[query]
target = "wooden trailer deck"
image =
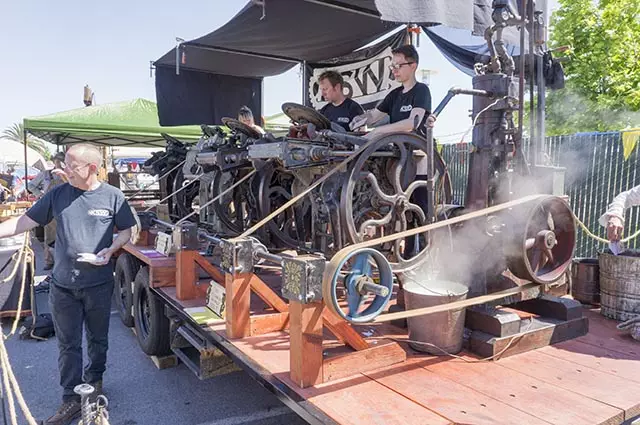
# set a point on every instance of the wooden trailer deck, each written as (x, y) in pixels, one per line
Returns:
(594, 379)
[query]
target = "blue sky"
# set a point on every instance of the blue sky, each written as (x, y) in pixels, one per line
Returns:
(51, 49)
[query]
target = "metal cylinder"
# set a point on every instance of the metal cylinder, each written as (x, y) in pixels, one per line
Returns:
(619, 289)
(585, 280)
(445, 330)
(207, 158)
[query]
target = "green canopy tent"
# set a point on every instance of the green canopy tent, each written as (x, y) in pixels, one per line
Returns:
(131, 123)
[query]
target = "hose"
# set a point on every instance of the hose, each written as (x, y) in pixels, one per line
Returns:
(598, 238)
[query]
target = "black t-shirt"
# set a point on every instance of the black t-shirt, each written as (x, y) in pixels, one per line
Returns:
(399, 105)
(343, 114)
(85, 223)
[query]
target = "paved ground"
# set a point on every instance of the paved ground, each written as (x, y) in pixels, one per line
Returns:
(140, 394)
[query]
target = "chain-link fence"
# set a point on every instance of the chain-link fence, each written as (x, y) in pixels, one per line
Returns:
(596, 172)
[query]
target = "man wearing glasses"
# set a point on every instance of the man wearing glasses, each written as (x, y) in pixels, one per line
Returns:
(404, 104)
(86, 212)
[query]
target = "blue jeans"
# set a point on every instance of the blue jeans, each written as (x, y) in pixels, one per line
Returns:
(70, 308)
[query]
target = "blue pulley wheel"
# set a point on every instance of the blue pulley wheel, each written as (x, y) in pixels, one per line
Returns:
(368, 284)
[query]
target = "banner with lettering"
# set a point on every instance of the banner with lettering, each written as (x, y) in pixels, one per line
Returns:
(366, 74)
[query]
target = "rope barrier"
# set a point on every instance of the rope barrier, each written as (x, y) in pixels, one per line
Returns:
(25, 258)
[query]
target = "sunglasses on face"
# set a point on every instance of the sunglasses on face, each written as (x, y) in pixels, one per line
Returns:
(399, 65)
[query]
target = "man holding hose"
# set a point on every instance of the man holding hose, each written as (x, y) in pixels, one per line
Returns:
(86, 212)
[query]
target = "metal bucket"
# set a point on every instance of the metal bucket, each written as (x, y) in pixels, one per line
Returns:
(620, 285)
(585, 280)
(445, 329)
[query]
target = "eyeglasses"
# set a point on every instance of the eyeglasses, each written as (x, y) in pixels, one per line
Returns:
(76, 168)
(399, 65)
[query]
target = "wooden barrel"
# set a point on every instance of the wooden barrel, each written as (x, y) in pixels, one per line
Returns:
(620, 285)
(585, 280)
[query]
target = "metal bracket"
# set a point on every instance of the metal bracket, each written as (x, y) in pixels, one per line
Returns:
(146, 219)
(302, 278)
(185, 237)
(237, 256)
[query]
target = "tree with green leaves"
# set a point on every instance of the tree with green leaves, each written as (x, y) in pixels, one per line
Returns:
(603, 72)
(16, 133)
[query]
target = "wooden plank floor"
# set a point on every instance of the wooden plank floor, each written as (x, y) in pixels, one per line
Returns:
(594, 379)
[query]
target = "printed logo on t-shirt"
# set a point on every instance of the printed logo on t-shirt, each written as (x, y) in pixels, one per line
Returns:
(343, 119)
(406, 108)
(99, 213)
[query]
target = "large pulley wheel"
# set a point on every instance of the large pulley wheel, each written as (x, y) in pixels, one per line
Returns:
(543, 239)
(183, 200)
(275, 188)
(358, 287)
(232, 208)
(381, 196)
(300, 115)
(152, 326)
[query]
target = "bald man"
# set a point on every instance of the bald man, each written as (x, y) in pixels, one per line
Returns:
(87, 213)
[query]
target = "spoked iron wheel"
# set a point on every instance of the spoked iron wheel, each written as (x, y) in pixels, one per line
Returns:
(233, 208)
(183, 201)
(381, 196)
(543, 240)
(275, 188)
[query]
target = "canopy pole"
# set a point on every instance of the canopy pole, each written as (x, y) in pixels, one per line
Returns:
(26, 167)
(179, 42)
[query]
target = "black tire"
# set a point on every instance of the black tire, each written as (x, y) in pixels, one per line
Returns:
(152, 326)
(127, 267)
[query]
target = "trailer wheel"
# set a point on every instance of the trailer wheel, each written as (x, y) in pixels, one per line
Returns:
(152, 326)
(125, 273)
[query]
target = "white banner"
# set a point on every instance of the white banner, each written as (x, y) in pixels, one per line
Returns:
(366, 82)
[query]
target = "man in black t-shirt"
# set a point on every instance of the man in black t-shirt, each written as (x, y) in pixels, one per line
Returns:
(339, 109)
(87, 213)
(406, 103)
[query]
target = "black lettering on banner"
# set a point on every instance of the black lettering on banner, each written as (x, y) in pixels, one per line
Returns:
(362, 79)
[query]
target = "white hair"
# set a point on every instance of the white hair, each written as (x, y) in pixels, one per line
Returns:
(88, 152)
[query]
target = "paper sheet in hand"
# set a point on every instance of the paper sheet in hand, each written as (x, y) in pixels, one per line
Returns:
(616, 247)
(87, 257)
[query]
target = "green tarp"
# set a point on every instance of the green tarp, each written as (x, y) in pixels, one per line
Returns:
(132, 123)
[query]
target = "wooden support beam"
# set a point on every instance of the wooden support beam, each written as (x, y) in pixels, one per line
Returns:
(187, 287)
(185, 275)
(160, 277)
(343, 331)
(215, 273)
(384, 354)
(267, 295)
(238, 300)
(305, 357)
(265, 323)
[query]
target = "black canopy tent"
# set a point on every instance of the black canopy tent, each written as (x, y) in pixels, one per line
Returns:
(202, 80)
